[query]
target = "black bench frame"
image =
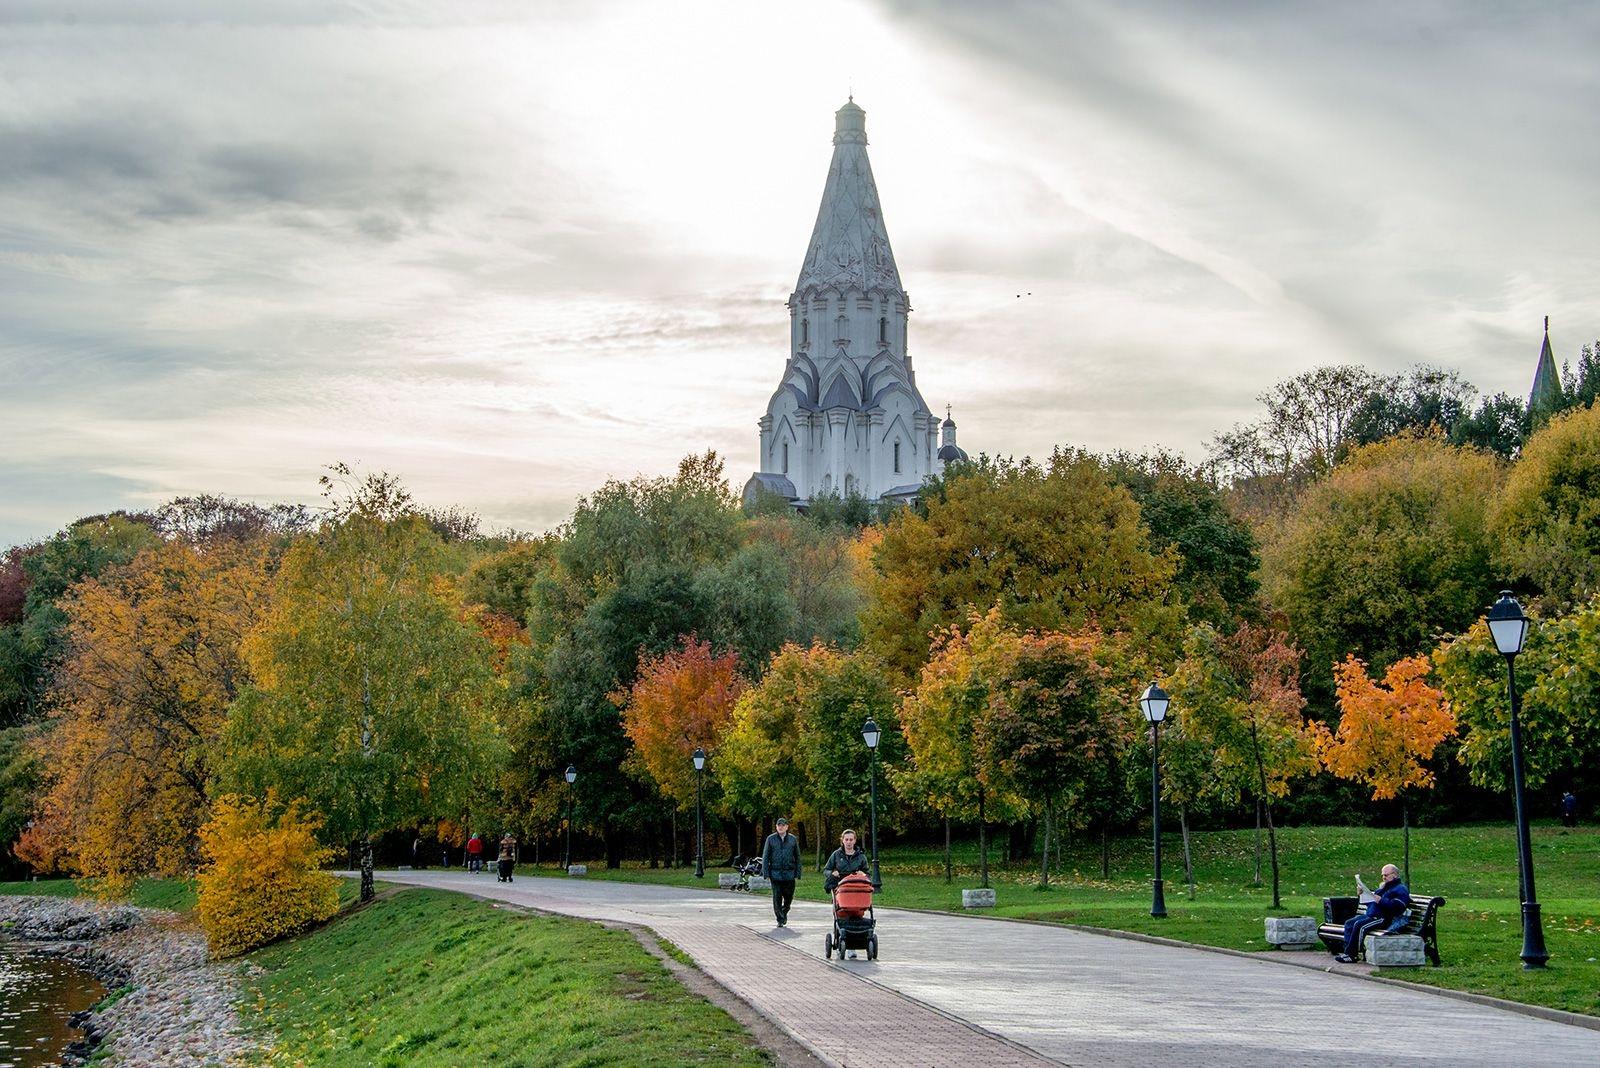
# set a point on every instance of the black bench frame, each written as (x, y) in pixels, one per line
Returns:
(1422, 917)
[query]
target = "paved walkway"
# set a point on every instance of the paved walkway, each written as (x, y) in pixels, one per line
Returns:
(955, 990)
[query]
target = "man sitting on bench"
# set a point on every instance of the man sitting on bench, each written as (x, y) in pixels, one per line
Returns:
(1388, 905)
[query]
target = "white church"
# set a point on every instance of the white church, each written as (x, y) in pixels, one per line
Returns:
(848, 418)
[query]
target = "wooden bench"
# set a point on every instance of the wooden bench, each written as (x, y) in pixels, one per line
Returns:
(1421, 920)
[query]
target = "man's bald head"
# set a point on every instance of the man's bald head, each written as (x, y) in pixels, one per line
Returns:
(1390, 872)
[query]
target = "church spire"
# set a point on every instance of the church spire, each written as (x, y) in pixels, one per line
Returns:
(1546, 391)
(849, 246)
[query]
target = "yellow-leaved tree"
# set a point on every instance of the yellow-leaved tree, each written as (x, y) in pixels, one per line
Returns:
(262, 879)
(1388, 730)
(141, 697)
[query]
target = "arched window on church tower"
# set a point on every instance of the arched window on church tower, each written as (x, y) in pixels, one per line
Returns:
(786, 457)
(805, 331)
(896, 457)
(883, 335)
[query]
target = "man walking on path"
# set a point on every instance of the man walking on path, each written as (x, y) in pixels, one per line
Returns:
(780, 862)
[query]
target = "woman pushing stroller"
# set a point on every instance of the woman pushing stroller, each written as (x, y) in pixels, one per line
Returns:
(853, 923)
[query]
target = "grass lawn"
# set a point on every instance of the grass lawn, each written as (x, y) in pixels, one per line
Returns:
(426, 977)
(1474, 867)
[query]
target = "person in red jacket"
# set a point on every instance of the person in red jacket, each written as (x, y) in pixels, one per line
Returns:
(474, 854)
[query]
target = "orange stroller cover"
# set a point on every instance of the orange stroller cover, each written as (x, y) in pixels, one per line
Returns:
(853, 895)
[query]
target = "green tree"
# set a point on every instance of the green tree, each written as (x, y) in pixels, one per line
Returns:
(1388, 551)
(1558, 678)
(1052, 546)
(1049, 728)
(373, 699)
(1239, 696)
(1184, 509)
(1547, 519)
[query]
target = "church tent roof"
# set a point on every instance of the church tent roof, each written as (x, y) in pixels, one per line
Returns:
(849, 246)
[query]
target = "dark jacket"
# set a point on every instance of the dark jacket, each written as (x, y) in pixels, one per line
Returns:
(780, 857)
(839, 861)
(1392, 901)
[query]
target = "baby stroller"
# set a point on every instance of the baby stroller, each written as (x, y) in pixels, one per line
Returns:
(747, 870)
(853, 923)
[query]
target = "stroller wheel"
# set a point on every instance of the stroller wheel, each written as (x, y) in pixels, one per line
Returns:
(872, 947)
(827, 944)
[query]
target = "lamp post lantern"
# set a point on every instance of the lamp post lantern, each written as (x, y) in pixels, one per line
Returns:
(1508, 626)
(571, 777)
(870, 734)
(1153, 703)
(699, 818)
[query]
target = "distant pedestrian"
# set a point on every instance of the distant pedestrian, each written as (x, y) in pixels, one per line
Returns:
(1569, 809)
(475, 854)
(418, 857)
(780, 862)
(508, 857)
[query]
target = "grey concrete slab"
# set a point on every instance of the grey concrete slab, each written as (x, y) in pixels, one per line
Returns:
(1080, 998)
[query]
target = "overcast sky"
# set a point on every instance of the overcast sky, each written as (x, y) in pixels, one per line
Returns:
(510, 251)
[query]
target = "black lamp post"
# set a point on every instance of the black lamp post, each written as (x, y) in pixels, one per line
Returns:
(1153, 702)
(572, 777)
(699, 819)
(870, 732)
(1509, 628)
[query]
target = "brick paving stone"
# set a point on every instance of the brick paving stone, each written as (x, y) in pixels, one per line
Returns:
(960, 990)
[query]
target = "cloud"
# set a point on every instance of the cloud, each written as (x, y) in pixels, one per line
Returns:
(509, 251)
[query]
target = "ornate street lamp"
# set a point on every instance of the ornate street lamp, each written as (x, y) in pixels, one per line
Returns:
(1509, 628)
(871, 734)
(572, 777)
(1153, 703)
(699, 818)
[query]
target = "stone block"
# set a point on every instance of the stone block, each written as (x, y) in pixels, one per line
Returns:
(577, 869)
(1292, 932)
(1395, 951)
(977, 899)
(727, 880)
(758, 883)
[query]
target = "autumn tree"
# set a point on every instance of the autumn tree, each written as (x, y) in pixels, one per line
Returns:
(1053, 546)
(152, 664)
(795, 741)
(1240, 697)
(1049, 728)
(33, 634)
(681, 701)
(1547, 519)
(1388, 731)
(939, 716)
(1390, 550)
(373, 698)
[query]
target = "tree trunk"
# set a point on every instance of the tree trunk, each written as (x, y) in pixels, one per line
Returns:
(1105, 851)
(947, 848)
(819, 837)
(367, 890)
(653, 844)
(1405, 823)
(1188, 858)
(1258, 841)
(1044, 854)
(1272, 847)
(672, 857)
(983, 842)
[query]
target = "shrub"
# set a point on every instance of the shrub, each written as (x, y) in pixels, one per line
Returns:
(261, 880)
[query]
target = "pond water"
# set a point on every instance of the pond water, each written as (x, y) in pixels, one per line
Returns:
(37, 994)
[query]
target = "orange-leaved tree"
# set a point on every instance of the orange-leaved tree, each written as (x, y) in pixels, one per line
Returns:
(681, 701)
(1388, 730)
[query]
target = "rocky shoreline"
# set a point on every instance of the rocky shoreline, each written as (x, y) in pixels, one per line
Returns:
(169, 1005)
